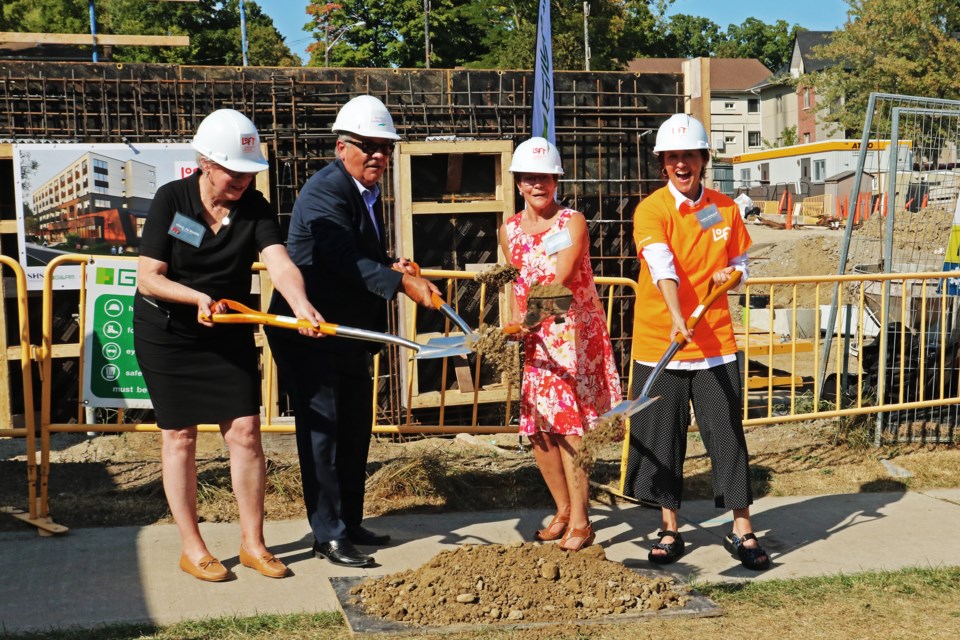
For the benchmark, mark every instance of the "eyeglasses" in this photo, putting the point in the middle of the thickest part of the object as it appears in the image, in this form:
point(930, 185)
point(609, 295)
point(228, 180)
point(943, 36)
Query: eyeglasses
point(370, 148)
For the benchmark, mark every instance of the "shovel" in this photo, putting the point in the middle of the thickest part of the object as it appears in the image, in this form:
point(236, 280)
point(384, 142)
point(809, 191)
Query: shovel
point(246, 315)
point(629, 407)
point(438, 303)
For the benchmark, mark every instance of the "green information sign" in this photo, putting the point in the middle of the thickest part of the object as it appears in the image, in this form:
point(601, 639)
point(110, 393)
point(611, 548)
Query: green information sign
point(111, 376)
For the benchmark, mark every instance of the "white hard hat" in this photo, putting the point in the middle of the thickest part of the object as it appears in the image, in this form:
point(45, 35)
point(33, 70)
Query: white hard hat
point(536, 155)
point(365, 116)
point(230, 139)
point(681, 132)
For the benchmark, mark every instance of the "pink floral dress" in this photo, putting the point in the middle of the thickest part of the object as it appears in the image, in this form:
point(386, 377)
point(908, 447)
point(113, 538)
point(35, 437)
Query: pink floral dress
point(569, 375)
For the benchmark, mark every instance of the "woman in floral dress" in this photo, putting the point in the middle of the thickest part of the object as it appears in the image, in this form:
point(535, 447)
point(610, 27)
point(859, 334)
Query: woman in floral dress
point(569, 376)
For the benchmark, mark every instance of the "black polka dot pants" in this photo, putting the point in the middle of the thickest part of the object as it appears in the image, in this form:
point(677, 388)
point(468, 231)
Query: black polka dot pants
point(658, 436)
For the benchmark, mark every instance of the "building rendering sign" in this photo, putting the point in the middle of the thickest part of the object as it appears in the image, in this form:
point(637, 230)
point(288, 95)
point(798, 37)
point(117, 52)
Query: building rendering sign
point(87, 198)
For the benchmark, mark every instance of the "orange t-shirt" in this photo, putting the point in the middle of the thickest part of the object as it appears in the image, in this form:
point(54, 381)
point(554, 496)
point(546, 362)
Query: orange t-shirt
point(697, 253)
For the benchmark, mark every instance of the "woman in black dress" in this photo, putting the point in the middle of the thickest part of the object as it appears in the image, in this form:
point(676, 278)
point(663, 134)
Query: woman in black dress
point(200, 238)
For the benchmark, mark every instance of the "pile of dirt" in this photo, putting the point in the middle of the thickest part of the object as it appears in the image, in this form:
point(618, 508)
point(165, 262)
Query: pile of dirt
point(919, 242)
point(812, 255)
point(528, 582)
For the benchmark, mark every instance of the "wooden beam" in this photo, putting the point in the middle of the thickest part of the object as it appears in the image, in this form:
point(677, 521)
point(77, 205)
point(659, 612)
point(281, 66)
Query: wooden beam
point(109, 39)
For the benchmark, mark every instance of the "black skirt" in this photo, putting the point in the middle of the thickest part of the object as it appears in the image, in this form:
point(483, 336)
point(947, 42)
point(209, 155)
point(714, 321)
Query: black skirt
point(195, 374)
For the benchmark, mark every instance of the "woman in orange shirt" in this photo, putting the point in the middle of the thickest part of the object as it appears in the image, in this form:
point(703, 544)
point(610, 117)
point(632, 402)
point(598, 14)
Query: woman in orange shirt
point(688, 238)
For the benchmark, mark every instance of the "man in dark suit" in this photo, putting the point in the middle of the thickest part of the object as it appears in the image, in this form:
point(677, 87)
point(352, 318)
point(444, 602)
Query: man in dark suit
point(337, 239)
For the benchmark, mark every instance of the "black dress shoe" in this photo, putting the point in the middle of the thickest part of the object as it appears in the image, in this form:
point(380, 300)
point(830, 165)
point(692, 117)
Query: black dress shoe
point(341, 552)
point(362, 535)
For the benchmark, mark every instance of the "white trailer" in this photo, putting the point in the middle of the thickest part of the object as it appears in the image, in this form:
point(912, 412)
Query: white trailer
point(814, 162)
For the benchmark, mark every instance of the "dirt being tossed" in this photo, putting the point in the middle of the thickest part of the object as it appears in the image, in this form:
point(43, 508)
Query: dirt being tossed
point(504, 354)
point(498, 275)
point(606, 430)
point(530, 582)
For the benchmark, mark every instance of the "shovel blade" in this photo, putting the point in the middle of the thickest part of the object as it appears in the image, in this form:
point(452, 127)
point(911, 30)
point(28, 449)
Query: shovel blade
point(629, 407)
point(447, 342)
point(429, 351)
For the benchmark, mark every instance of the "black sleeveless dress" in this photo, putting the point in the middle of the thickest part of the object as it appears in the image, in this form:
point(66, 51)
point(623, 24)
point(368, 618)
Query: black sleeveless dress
point(197, 374)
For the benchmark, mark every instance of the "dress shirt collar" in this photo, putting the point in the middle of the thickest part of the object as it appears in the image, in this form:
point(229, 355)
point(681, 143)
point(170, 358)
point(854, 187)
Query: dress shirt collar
point(681, 199)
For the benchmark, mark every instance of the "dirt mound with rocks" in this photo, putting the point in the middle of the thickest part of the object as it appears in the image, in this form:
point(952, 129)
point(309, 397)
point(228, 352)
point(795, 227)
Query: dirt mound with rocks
point(530, 582)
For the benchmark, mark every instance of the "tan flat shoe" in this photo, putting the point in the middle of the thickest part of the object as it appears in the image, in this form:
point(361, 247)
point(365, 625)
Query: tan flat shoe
point(267, 564)
point(208, 569)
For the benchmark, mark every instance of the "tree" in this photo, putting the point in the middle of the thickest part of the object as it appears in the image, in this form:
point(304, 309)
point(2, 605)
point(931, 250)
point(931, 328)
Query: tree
point(213, 27)
point(692, 37)
point(769, 43)
point(892, 46)
point(787, 138)
point(479, 33)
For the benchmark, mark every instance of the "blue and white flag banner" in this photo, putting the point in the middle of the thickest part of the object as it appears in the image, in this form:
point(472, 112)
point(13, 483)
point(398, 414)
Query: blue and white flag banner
point(543, 78)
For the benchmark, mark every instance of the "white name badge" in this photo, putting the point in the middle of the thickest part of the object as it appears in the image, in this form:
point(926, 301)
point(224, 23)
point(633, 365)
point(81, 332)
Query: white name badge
point(557, 241)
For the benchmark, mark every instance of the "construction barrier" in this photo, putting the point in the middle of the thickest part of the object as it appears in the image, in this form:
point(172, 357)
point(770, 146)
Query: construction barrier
point(36, 513)
point(907, 371)
point(895, 351)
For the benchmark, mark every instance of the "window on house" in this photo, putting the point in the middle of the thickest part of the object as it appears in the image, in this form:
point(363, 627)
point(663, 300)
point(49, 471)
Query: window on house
point(753, 105)
point(745, 177)
point(753, 138)
point(806, 138)
point(806, 98)
point(730, 139)
point(819, 170)
point(729, 105)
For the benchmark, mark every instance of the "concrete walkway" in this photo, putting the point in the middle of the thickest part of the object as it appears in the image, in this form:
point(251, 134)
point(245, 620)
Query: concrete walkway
point(91, 577)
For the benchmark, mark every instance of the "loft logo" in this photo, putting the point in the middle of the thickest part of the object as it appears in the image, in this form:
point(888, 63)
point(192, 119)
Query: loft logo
point(721, 234)
point(539, 151)
point(121, 277)
point(104, 275)
point(248, 141)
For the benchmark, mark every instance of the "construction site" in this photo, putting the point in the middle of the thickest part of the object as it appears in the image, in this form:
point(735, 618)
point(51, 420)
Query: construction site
point(446, 193)
point(805, 337)
point(459, 128)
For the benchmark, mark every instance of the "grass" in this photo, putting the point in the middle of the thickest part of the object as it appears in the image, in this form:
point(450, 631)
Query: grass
point(912, 604)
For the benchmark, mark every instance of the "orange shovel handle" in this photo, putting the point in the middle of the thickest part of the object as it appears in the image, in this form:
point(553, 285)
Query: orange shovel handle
point(712, 295)
point(246, 315)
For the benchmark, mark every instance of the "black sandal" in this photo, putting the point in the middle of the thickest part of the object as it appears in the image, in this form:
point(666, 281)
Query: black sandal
point(754, 558)
point(674, 550)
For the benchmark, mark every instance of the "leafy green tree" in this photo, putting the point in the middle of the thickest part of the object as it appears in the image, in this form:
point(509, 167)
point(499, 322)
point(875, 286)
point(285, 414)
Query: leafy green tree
point(769, 43)
point(893, 46)
point(692, 37)
point(788, 138)
point(45, 16)
point(213, 27)
point(478, 33)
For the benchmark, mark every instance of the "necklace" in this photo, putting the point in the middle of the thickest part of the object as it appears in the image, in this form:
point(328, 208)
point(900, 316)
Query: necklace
point(219, 213)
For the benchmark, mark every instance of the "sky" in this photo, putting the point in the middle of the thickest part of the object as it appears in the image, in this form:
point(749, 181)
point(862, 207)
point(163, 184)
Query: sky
point(289, 16)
